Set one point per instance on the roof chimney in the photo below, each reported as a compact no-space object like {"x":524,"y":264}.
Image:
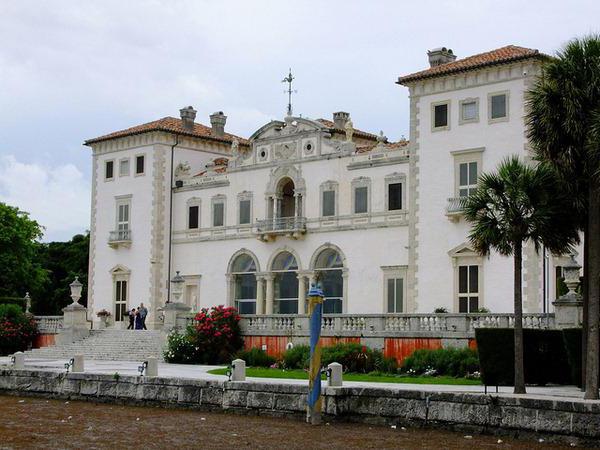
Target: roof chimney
{"x":188,"y":115}
{"x":439,"y":56}
{"x":340,"y":118}
{"x":217,"y":122}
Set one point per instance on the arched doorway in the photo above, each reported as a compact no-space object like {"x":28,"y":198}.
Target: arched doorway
{"x":243,"y":271}
{"x":285,"y":269}
{"x":329,"y":270}
{"x":288,"y":201}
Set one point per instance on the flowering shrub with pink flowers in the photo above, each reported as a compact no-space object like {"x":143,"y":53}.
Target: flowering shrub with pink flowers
{"x":17,"y":329}
{"x":213,"y":338}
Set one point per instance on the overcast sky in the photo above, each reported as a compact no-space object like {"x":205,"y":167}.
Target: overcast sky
{"x":72,"y":70}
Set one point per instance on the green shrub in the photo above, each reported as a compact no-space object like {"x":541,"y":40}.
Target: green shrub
{"x":454,"y":362}
{"x":13,"y":301}
{"x":17,"y":329}
{"x":180,"y":349}
{"x":353,"y":357}
{"x":544,"y":354}
{"x":297,"y":357}
{"x":572,"y":339}
{"x":256,"y":357}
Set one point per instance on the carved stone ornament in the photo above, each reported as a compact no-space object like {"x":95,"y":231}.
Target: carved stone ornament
{"x":182,"y":170}
{"x":285,"y":151}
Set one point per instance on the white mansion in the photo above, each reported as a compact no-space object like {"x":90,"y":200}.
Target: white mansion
{"x":250,"y":222}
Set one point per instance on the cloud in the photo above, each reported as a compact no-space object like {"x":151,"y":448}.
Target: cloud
{"x":57,"y":197}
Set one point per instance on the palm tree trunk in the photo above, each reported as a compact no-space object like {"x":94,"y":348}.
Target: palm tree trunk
{"x":593,"y":344}
{"x":518,"y":297}
{"x":585,"y":298}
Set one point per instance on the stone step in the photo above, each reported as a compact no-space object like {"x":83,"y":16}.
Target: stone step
{"x":109,"y":345}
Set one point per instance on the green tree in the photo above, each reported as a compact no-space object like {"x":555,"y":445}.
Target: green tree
{"x":63,"y":261}
{"x":564,"y":129}
{"x":516,"y":204}
{"x":20,"y":270}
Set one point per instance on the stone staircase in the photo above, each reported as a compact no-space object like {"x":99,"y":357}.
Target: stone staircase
{"x":115,"y":345}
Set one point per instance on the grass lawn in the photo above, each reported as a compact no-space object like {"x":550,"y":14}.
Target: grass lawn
{"x":297,"y":374}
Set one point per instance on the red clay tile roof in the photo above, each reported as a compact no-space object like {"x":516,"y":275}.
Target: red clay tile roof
{"x":360,"y":133}
{"x":388,"y":146}
{"x":508,"y":54}
{"x":170,"y":125}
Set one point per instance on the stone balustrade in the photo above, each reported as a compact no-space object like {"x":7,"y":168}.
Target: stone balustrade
{"x":49,"y":324}
{"x":387,"y":325}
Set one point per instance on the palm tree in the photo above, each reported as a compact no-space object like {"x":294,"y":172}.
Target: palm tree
{"x":516,"y":204}
{"x":564,"y":129}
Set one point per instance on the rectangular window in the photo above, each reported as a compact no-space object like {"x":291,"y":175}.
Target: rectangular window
{"x":193,"y":215}
{"x":139,"y":165}
{"x":123,"y":217}
{"x":467,"y":183}
{"x":124,"y":167}
{"x":109,"y":168}
{"x":440,"y":113}
{"x":218,"y":214}
{"x":395,"y":292}
{"x":468,"y":111}
{"x":328,"y":203}
{"x":394,"y":196}
{"x":361,"y":201}
{"x":468,"y":289}
{"x":498,"y":106}
{"x":244,"y":212}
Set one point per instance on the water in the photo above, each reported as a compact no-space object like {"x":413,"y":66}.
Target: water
{"x":29,"y":423}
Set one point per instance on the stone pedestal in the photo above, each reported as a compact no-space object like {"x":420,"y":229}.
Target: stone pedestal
{"x":152,"y":369}
{"x":78,"y":363}
{"x":75,"y":324}
{"x":19,"y":361}
{"x":171,"y":310}
{"x":335,"y":375}
{"x":568,"y":311}
{"x":238,"y":370}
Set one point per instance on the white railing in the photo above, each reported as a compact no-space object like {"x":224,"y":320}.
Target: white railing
{"x":455,"y":205}
{"x":382,"y":324}
{"x":119,"y":236}
{"x":281,"y":224}
{"x":49,"y":324}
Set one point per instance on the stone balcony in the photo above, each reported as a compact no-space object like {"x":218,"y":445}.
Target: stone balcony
{"x":269,"y":229}
{"x":119,"y":238}
{"x":454,"y":208}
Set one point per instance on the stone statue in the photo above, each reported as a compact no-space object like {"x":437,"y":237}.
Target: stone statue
{"x":182,"y":170}
{"x":349,"y":127}
{"x":235,"y":148}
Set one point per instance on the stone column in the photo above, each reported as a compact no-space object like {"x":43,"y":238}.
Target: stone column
{"x":260,"y":294}
{"x":301,"y":294}
{"x":270,"y":278}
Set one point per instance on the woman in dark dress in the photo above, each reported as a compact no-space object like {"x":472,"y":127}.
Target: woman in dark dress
{"x":138,"y":320}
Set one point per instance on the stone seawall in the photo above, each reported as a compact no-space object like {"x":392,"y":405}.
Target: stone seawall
{"x":477,"y":412}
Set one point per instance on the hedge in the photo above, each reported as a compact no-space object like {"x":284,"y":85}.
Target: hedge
{"x":572,"y":339}
{"x":454,"y":362}
{"x":13,"y":301}
{"x":544,"y":352}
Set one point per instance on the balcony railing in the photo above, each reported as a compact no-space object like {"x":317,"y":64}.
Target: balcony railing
{"x":293,"y":226}
{"x":455,"y":206}
{"x":49,"y":324}
{"x":119,"y":237}
{"x":381,"y":325}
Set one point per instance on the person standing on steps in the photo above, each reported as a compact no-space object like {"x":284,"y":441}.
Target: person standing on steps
{"x":143,"y":311}
{"x":131,"y":319}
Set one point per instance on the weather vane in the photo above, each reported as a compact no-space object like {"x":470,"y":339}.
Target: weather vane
{"x":289,"y":91}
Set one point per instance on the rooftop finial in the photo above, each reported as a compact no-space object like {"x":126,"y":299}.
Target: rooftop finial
{"x":289,"y":91}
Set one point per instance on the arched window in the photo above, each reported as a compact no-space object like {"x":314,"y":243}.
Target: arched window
{"x":285,"y":269}
{"x":243,"y":270}
{"x":329,"y":266}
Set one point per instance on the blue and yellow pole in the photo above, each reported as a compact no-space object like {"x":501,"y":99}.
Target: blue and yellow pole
{"x":315,"y":311}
